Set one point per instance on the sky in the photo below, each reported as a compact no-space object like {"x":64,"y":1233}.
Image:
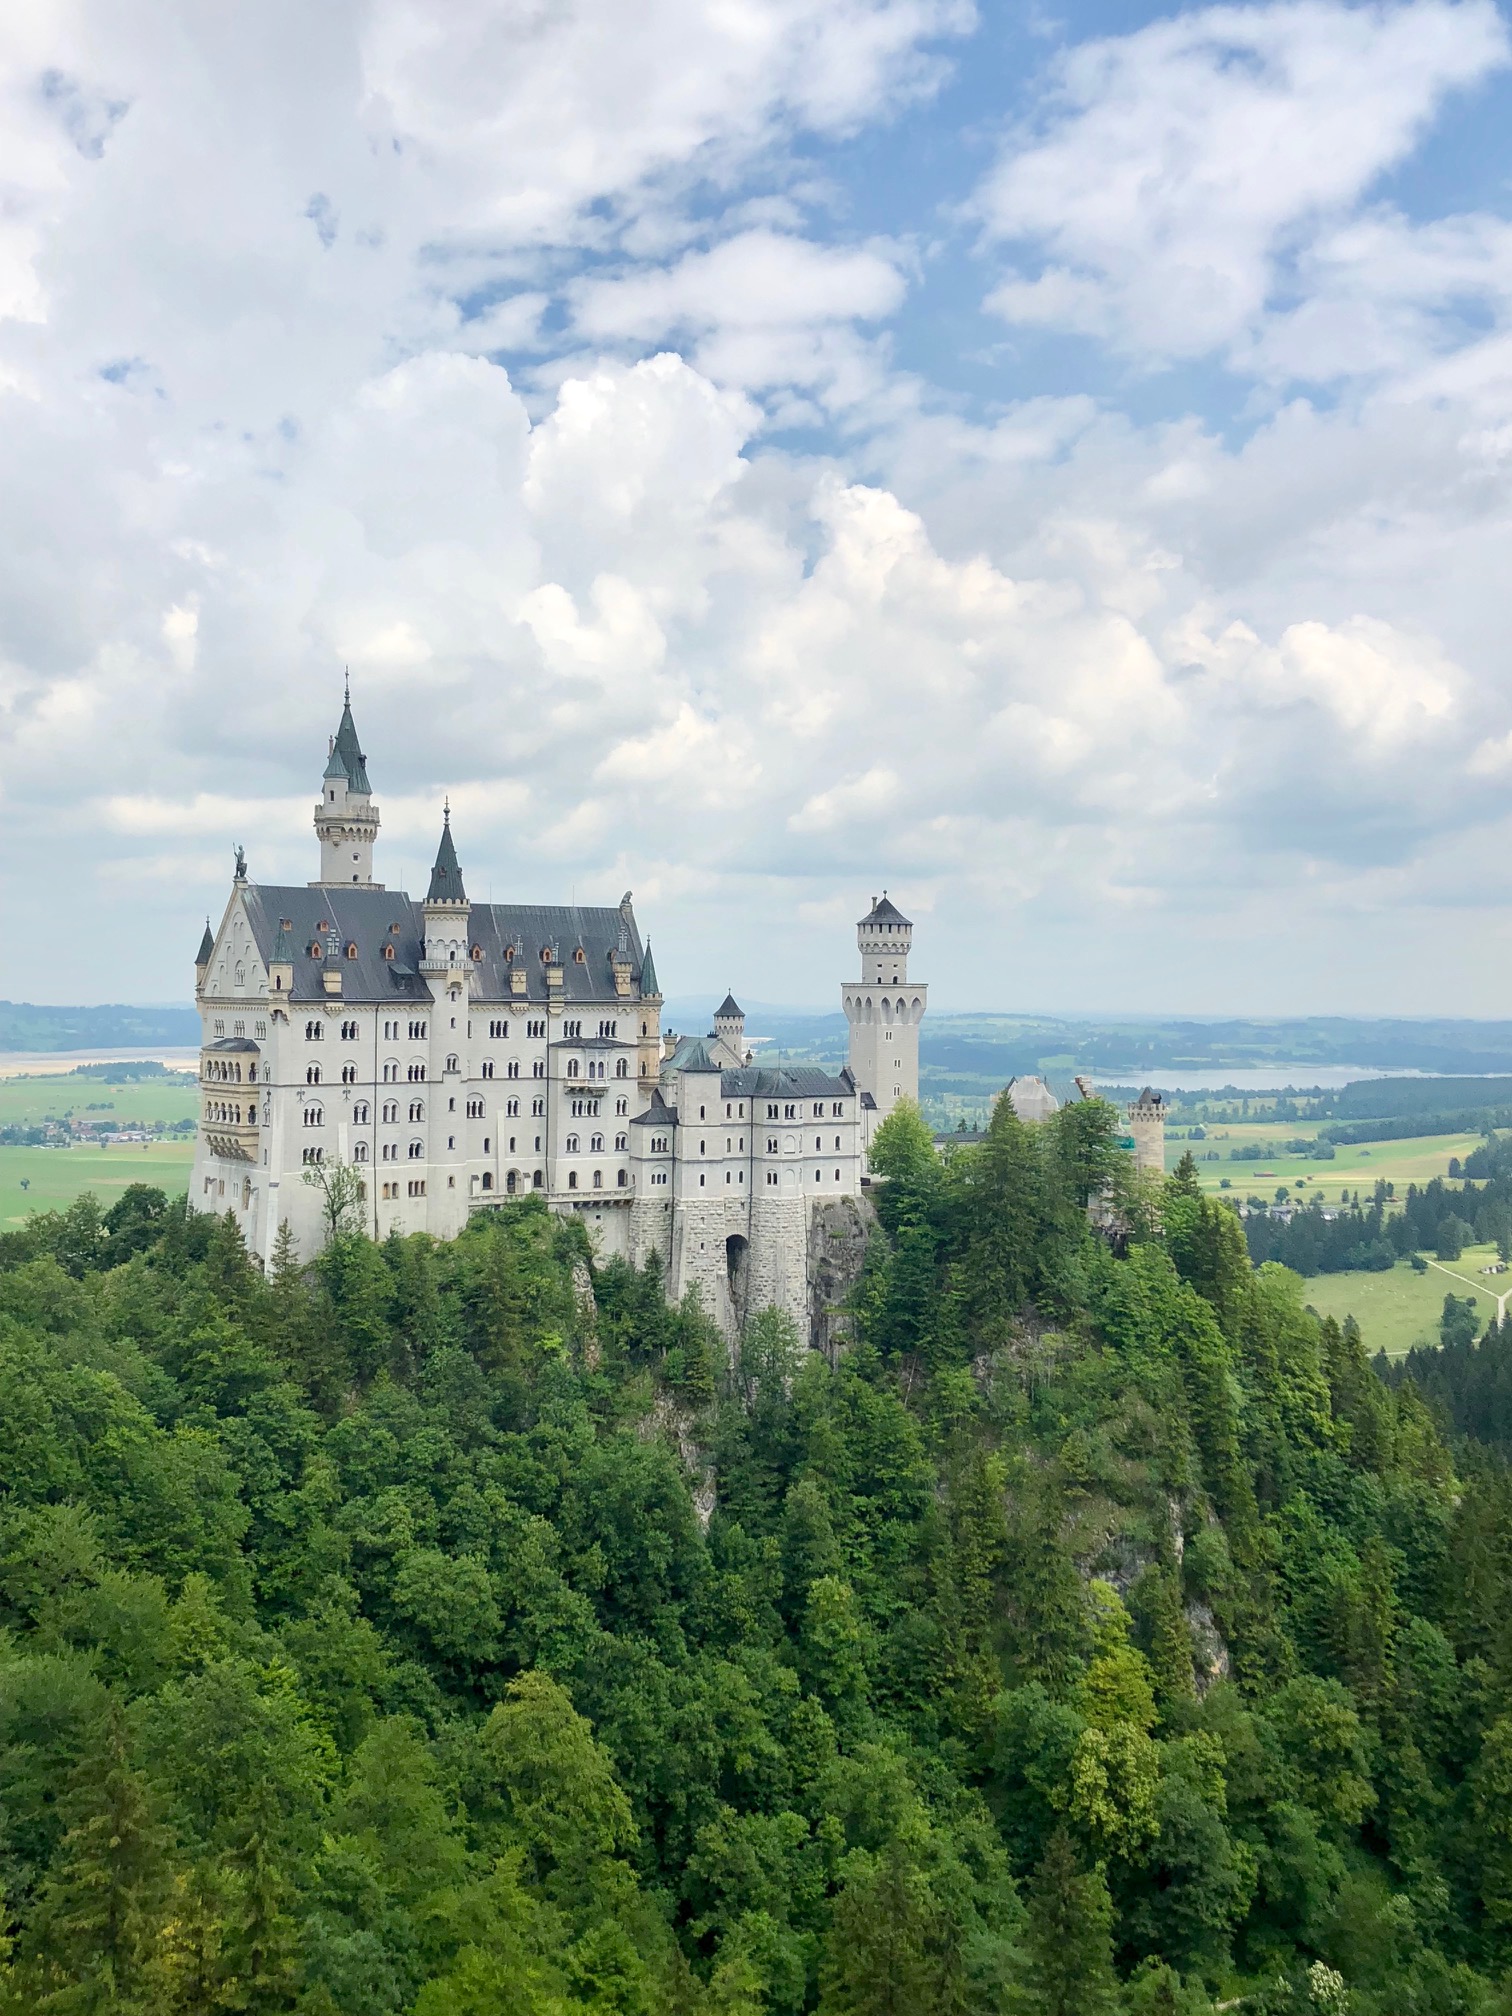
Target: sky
{"x":1054,"y":464}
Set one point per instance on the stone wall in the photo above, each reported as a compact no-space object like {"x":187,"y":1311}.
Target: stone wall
{"x":839,"y":1233}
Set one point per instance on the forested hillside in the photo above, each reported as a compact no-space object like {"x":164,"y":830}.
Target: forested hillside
{"x":450,"y":1630}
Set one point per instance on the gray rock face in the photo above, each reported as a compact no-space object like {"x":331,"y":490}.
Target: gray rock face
{"x":838,"y":1235}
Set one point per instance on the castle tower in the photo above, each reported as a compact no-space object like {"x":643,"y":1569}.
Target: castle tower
{"x":884,"y":1010}
{"x":346,"y":819}
{"x":1147,"y":1126}
{"x":648,"y":1062}
{"x":729,"y":1027}
{"x":446,"y":909}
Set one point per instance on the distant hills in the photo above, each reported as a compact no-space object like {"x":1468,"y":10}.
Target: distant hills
{"x":25,"y":1026}
{"x":959,"y":1053}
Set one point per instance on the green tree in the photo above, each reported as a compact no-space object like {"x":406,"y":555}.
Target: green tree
{"x":1068,"y":1951}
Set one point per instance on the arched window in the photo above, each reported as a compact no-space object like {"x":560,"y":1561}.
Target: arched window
{"x":359,"y":1151}
{"x":572,"y":1144}
{"x":391,"y":1109}
{"x":351,"y":950}
{"x":452,"y":1064}
{"x":572,"y":1179}
{"x":314,"y":1116}
{"x":314,"y":1032}
{"x":538,"y":1181}
{"x":312,"y":1074}
{"x":488,"y":1067}
{"x":417,"y":1109}
{"x":488,"y":1179}
{"x":417,"y":1074}
{"x":388,"y":950}
{"x":360,"y":1113}
{"x":621,"y":1143}
{"x":622,"y":1068}
{"x":624,"y":1179}
{"x":349,"y":1074}
{"x":598,"y":1179}
{"x":596,"y":1145}
{"x":417,"y":1151}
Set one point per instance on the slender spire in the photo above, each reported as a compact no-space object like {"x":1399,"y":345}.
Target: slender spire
{"x":347,"y":759}
{"x":446,"y":875}
{"x":207,"y":947}
{"x":648,"y":985}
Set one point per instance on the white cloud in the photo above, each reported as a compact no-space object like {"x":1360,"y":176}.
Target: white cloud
{"x":1178,"y":167}
{"x":1088,"y":691}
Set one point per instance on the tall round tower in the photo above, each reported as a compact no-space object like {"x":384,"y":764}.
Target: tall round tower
{"x":346,"y":819}
{"x":884,"y":1009}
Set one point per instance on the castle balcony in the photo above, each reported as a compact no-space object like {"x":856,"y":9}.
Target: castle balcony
{"x":231,"y":1142}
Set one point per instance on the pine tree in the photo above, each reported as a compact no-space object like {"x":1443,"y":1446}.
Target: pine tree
{"x":90,"y":1932}
{"x":1067,"y":1941}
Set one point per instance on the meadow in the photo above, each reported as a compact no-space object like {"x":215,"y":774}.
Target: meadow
{"x":43,"y":1179}
{"x":1357,"y":1166}
{"x":26,"y":1101}
{"x":1398,"y":1309}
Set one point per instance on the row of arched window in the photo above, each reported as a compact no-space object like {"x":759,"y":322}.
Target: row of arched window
{"x":225,"y":1071}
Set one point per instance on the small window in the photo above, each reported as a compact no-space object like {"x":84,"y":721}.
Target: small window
{"x":580,"y":956}
{"x":351,"y":951}
{"x":388,"y":951}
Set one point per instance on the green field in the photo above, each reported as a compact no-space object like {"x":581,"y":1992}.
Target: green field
{"x":1401,"y":1308}
{"x":24,"y":1101}
{"x":1355,"y":1167}
{"x":57,"y":1175}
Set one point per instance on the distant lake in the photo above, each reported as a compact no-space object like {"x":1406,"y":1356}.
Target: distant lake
{"x":1273,"y":1078}
{"x":49,"y":1063}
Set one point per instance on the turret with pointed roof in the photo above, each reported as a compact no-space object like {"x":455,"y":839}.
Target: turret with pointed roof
{"x":446,"y":873}
{"x":650,"y":991}
{"x":729,"y":1027}
{"x":446,"y":907}
{"x":346,"y":819}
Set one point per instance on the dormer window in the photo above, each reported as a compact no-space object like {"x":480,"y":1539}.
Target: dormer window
{"x":351,"y":951}
{"x":477,"y":953}
{"x":315,"y":951}
{"x":545,"y":955}
{"x":388,"y":951}
{"x":580,"y":956}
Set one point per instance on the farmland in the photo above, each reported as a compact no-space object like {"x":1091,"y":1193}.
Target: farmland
{"x":45,"y":1178}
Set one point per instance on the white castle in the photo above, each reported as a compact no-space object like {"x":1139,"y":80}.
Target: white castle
{"x":456,"y":1054}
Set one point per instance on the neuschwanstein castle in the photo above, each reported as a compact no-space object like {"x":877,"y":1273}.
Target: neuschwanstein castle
{"x":458,"y":1053}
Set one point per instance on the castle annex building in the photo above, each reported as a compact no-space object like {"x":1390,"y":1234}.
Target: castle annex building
{"x":458,"y":1053}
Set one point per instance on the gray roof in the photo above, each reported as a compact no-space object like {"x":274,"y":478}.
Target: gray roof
{"x":729,"y":1007}
{"x":370,"y":919}
{"x":239,"y":1044}
{"x":657,"y":1114}
{"x":648,"y":985}
{"x":207,"y":946}
{"x":691,"y":1054}
{"x":790,"y":1081}
{"x":345,"y":751}
{"x":884,"y":912}
{"x":446,"y":875}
